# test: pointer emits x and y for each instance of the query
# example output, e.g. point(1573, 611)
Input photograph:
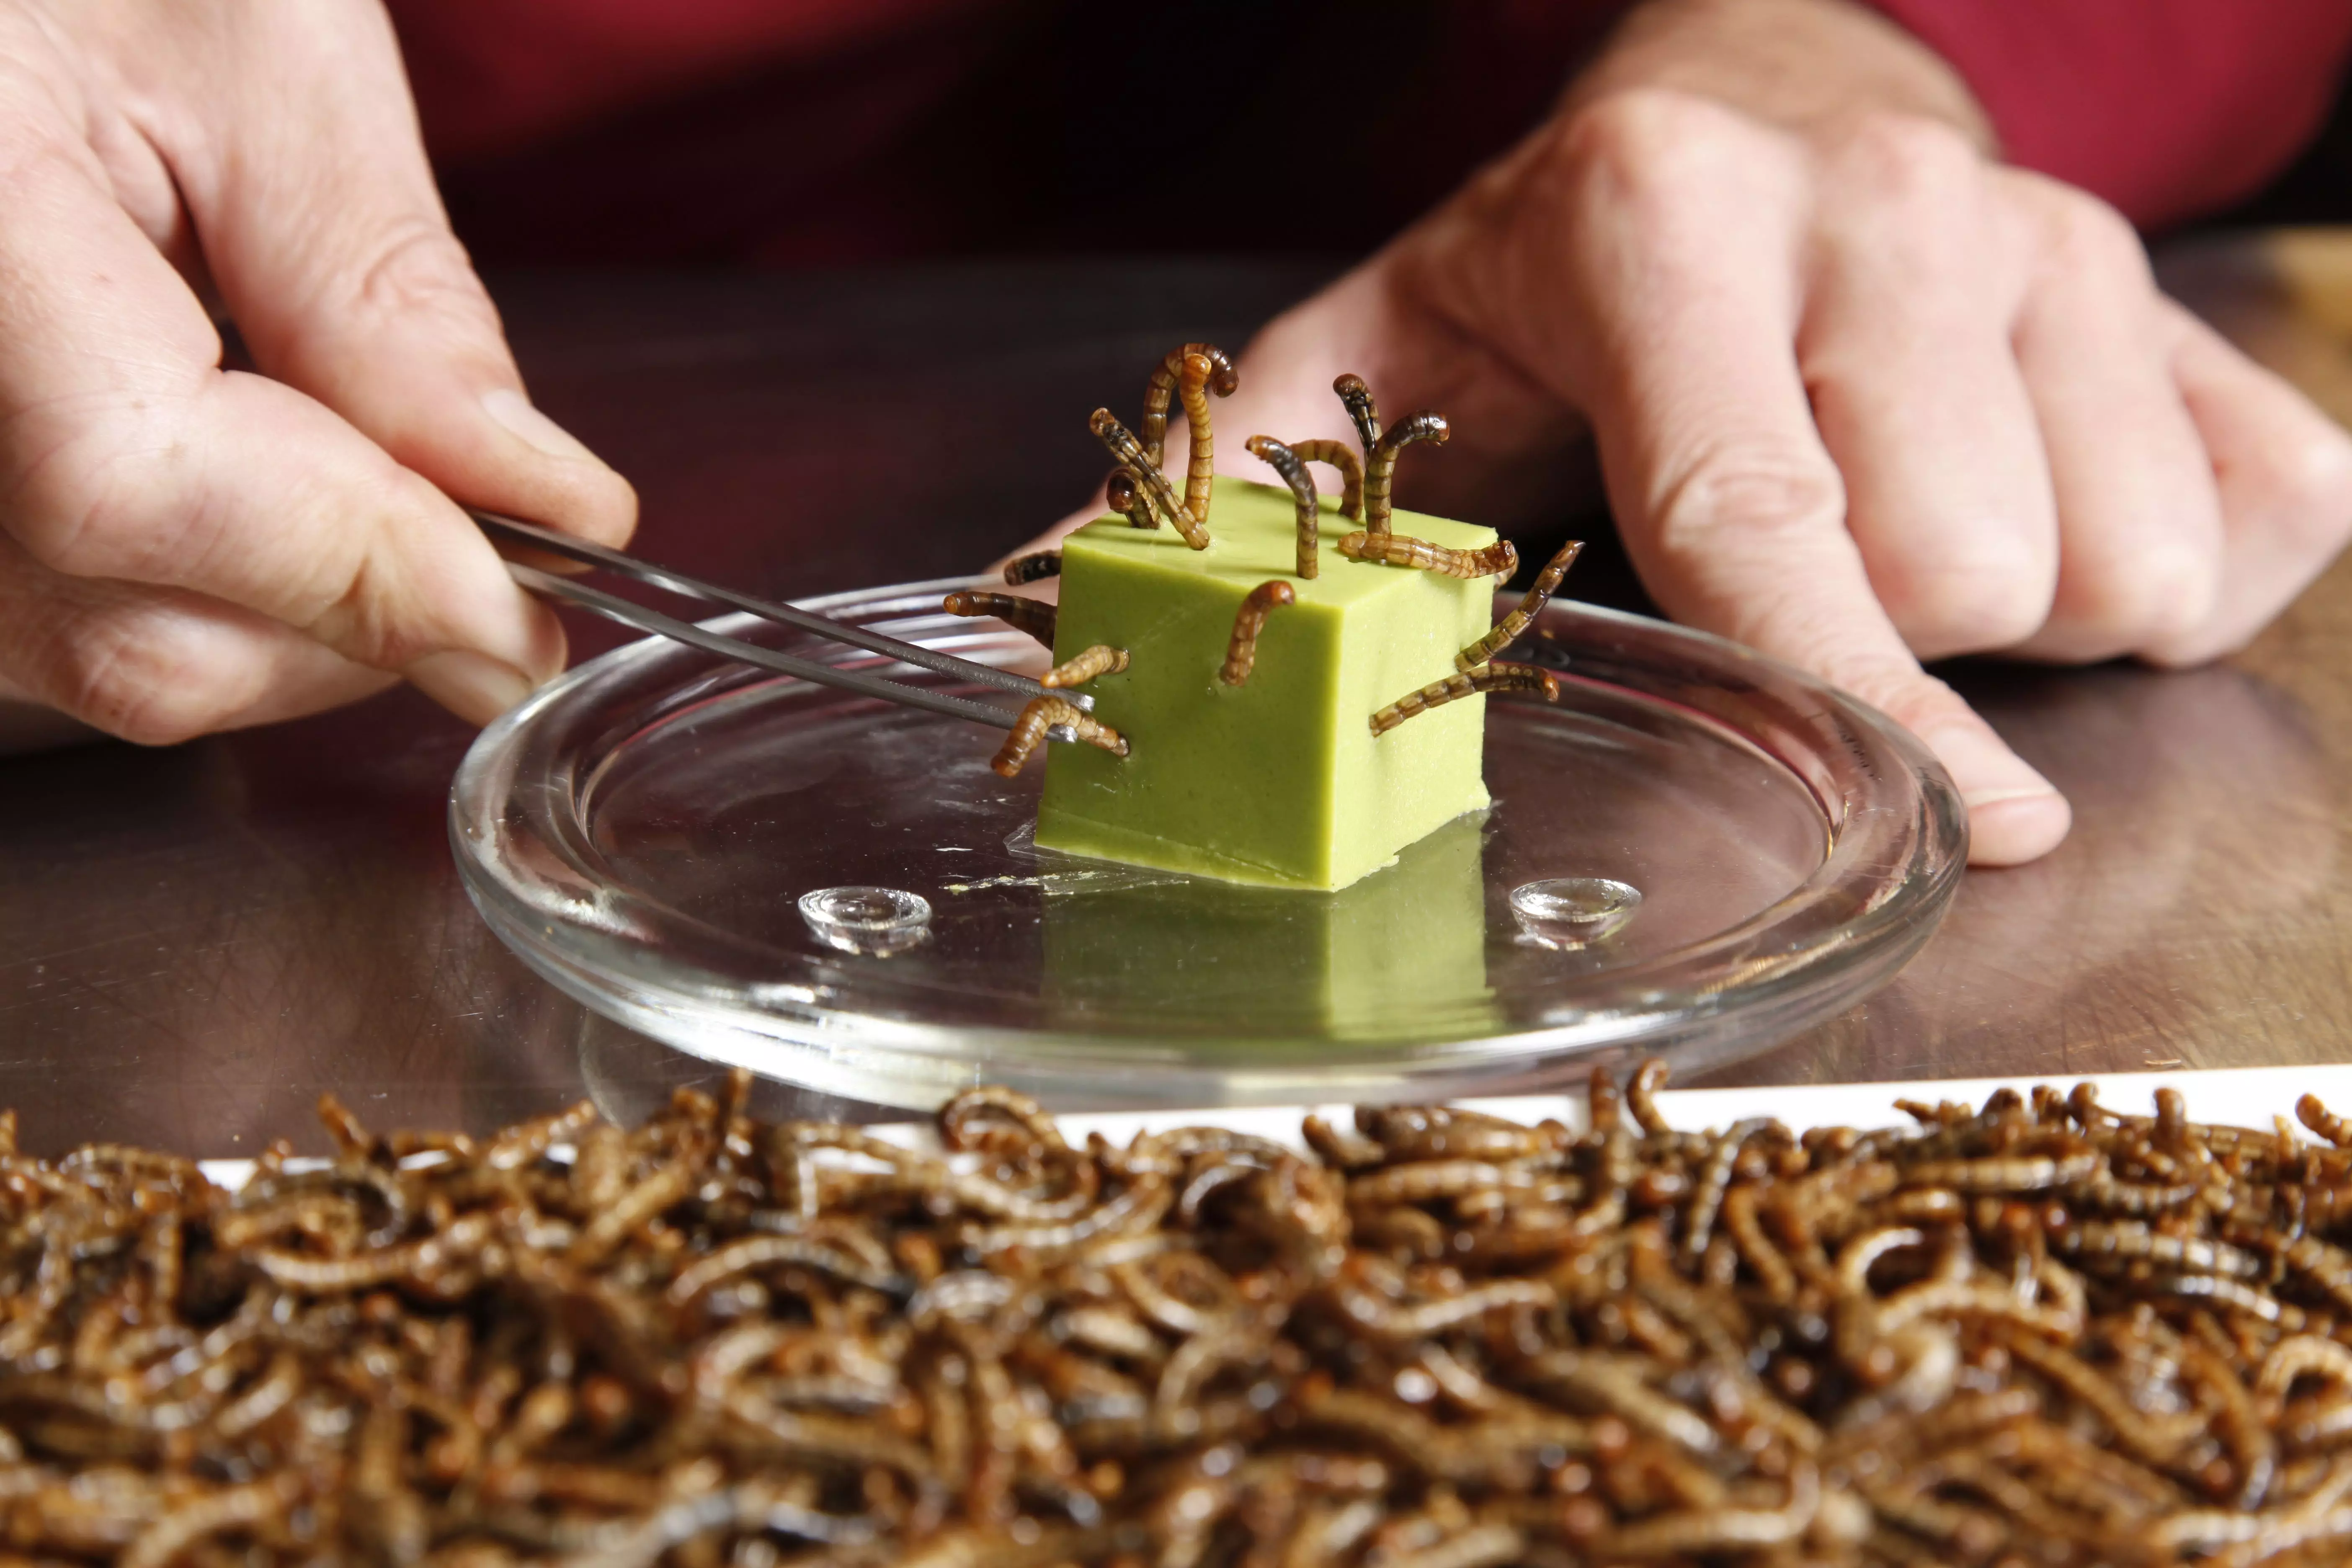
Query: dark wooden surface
point(194, 942)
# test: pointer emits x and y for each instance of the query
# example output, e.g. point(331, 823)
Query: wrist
point(1801, 65)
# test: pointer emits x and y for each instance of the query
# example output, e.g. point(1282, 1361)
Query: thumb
point(328, 241)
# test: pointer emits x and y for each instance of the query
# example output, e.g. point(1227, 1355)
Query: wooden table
point(194, 942)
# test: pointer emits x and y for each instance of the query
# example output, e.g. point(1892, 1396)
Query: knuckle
point(2083, 236)
point(376, 604)
point(1655, 149)
point(1906, 159)
point(83, 503)
point(2167, 592)
point(152, 679)
point(1748, 497)
point(1988, 595)
point(2315, 493)
point(415, 268)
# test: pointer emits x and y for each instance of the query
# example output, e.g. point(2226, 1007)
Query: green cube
point(1278, 780)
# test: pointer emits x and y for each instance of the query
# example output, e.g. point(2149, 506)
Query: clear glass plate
point(1697, 852)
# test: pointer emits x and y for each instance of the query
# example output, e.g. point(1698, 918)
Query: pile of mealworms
point(2039, 1333)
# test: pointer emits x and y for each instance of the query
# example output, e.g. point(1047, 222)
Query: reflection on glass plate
point(1697, 852)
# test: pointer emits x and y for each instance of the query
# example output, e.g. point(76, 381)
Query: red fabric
point(2166, 107)
point(837, 131)
point(493, 74)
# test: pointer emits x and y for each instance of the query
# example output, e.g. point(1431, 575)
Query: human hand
point(1861, 395)
point(184, 548)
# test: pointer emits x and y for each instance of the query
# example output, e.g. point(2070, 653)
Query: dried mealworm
point(1121, 494)
point(2336, 1128)
point(1499, 558)
point(1033, 567)
point(1379, 464)
point(1465, 683)
point(1241, 648)
point(1192, 383)
point(1507, 630)
point(1724, 1530)
point(1641, 1098)
point(1096, 660)
point(1166, 378)
point(1357, 398)
point(1031, 616)
point(1284, 462)
point(1155, 490)
point(1044, 713)
point(1342, 457)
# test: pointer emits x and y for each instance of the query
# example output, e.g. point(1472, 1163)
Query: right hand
point(184, 548)
point(1861, 395)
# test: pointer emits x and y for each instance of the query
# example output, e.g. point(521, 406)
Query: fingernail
point(1987, 772)
point(513, 410)
point(2014, 814)
point(474, 687)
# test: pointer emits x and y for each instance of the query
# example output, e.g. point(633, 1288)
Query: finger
point(130, 457)
point(2284, 473)
point(1906, 353)
point(1385, 322)
point(158, 666)
point(2139, 520)
point(1731, 507)
point(329, 242)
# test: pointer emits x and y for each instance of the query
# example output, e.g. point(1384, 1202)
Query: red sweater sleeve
point(2166, 107)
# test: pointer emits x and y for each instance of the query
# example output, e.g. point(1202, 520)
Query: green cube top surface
point(1280, 780)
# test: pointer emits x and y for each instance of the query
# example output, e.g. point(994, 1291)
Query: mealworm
point(1390, 1321)
point(1120, 442)
point(1199, 458)
point(1120, 493)
point(1437, 1132)
point(1715, 1177)
point(1096, 660)
point(1641, 1089)
point(1604, 1104)
point(2336, 1128)
point(2132, 1240)
point(1465, 683)
point(1341, 455)
point(1506, 630)
point(2253, 1452)
point(1358, 399)
point(2005, 1174)
point(1499, 558)
point(1033, 567)
point(1043, 713)
point(1380, 467)
point(1284, 462)
point(1033, 616)
point(1241, 648)
point(1706, 1533)
point(1167, 377)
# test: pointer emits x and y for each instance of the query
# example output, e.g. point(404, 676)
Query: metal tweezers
point(506, 531)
